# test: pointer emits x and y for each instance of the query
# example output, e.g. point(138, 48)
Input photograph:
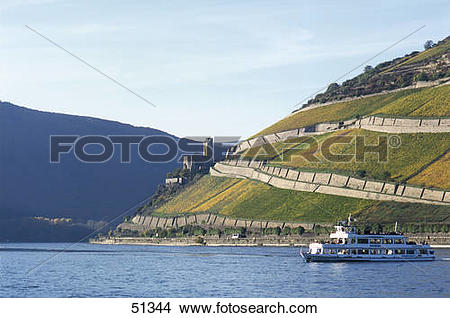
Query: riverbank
point(205, 241)
point(435, 240)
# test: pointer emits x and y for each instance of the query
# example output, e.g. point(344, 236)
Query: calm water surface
point(86, 270)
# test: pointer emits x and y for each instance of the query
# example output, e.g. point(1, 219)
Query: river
point(85, 270)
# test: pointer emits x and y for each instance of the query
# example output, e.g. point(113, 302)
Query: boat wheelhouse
point(346, 245)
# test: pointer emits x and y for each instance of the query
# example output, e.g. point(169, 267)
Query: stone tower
point(208, 147)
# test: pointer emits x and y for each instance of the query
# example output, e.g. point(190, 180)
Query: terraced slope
point(415, 151)
point(250, 199)
point(438, 50)
point(423, 102)
point(429, 102)
point(421, 159)
point(241, 198)
point(435, 175)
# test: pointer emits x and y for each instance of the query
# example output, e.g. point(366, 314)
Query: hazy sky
point(211, 67)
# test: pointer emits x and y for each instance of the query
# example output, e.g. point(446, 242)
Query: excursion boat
point(346, 246)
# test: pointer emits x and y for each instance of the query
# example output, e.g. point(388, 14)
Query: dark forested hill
point(31, 186)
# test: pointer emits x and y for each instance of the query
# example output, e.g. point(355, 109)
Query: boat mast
point(395, 228)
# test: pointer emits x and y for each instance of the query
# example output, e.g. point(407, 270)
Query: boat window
point(363, 252)
point(375, 252)
point(375, 241)
point(387, 241)
point(410, 252)
point(423, 251)
point(397, 252)
point(389, 252)
point(363, 241)
point(354, 252)
point(344, 251)
point(398, 241)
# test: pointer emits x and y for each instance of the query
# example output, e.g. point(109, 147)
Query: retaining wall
point(373, 123)
point(404, 125)
point(142, 223)
point(331, 183)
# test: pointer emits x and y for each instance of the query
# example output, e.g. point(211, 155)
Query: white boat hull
point(334, 258)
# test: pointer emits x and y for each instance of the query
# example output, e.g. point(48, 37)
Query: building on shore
point(175, 180)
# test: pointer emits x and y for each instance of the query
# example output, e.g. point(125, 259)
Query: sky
point(212, 68)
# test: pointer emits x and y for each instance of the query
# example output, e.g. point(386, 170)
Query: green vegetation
point(421, 159)
point(411, 228)
point(165, 192)
point(203, 231)
point(420, 103)
point(390, 212)
point(192, 197)
point(423, 102)
point(400, 72)
point(436, 175)
point(249, 199)
point(435, 51)
point(255, 200)
point(402, 162)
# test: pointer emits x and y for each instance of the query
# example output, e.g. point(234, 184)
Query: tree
point(299, 230)
point(368, 68)
point(286, 230)
point(420, 77)
point(332, 87)
point(428, 44)
point(361, 173)
point(278, 230)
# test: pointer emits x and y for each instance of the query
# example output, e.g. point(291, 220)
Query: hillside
point(402, 162)
point(31, 186)
point(249, 199)
point(271, 176)
point(413, 103)
point(428, 65)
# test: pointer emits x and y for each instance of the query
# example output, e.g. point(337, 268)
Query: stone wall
point(380, 124)
point(404, 125)
point(289, 134)
point(208, 220)
point(331, 183)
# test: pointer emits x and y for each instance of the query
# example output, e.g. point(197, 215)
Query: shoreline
point(192, 242)
point(244, 242)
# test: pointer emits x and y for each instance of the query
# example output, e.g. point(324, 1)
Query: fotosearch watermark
point(164, 148)
point(316, 149)
point(154, 148)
